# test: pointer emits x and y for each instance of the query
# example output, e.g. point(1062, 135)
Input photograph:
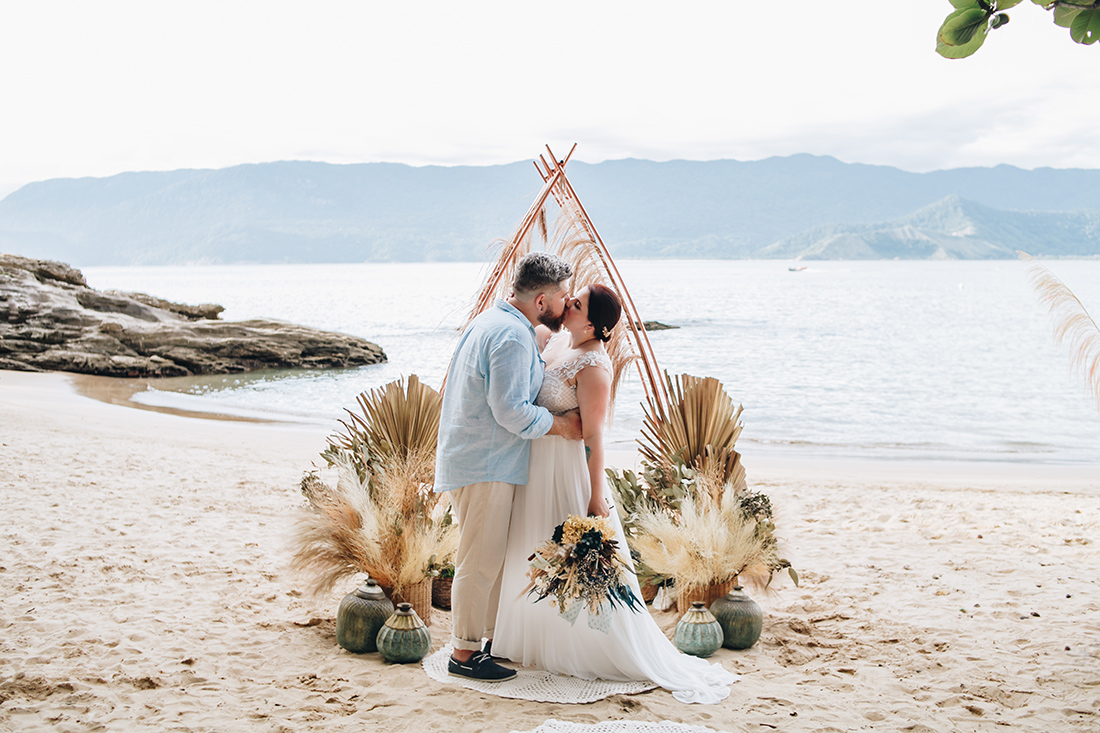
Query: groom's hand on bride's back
point(567, 426)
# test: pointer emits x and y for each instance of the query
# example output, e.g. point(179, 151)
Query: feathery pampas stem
point(709, 544)
point(1072, 323)
point(388, 533)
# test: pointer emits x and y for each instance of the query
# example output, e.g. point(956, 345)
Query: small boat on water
point(800, 268)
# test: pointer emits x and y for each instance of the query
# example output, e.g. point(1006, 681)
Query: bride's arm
point(594, 396)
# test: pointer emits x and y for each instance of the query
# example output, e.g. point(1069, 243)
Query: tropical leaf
point(1085, 28)
point(1064, 16)
point(1006, 4)
point(1073, 325)
point(948, 38)
point(961, 26)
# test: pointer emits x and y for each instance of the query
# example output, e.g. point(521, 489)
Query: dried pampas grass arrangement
point(381, 517)
point(718, 535)
point(393, 531)
point(689, 516)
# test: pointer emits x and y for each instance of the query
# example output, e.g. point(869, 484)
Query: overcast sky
point(97, 88)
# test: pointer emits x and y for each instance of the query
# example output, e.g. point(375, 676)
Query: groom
point(485, 425)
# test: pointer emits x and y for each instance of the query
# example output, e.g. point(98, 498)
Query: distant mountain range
point(950, 229)
point(798, 206)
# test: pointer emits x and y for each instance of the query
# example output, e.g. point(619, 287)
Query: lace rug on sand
point(618, 726)
point(536, 685)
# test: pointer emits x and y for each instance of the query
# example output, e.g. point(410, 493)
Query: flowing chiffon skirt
point(535, 635)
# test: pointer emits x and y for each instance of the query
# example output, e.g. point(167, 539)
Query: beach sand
point(144, 586)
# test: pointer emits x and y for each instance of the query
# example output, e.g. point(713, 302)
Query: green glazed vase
point(404, 638)
point(740, 617)
point(698, 633)
point(362, 613)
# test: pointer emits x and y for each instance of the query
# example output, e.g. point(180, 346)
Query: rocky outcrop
point(51, 320)
point(657, 326)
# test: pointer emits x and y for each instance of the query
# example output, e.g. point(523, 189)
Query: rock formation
point(51, 320)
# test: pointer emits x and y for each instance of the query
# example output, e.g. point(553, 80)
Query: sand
point(143, 586)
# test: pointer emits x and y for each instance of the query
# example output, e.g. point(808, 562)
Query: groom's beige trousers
point(483, 511)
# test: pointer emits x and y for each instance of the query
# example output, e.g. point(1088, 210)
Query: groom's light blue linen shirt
point(489, 415)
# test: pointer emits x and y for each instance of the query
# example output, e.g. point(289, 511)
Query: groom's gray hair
point(538, 272)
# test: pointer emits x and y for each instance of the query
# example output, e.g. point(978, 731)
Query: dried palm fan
point(393, 422)
point(1072, 323)
point(381, 517)
point(699, 428)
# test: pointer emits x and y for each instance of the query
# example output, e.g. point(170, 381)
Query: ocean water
point(923, 360)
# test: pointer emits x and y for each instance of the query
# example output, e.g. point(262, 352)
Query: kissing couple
point(528, 390)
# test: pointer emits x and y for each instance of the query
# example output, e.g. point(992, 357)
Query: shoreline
point(770, 464)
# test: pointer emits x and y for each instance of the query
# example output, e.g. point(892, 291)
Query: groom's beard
point(552, 322)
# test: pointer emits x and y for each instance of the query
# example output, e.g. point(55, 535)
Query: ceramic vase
point(404, 638)
point(362, 613)
point(740, 618)
point(698, 633)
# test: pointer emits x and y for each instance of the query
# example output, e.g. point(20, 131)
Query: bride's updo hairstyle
point(604, 310)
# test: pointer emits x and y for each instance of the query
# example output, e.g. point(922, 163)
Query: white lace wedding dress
point(534, 634)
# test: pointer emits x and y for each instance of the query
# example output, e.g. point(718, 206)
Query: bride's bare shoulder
point(542, 335)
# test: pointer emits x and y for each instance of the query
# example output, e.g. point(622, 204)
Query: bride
point(563, 482)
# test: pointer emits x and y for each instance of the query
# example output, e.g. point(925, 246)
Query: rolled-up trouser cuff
point(473, 646)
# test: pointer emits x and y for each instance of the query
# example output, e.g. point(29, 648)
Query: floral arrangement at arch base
point(381, 516)
point(690, 516)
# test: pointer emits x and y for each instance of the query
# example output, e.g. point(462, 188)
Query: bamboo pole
point(650, 373)
point(493, 281)
point(556, 183)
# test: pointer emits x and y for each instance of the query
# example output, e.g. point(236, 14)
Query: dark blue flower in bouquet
point(590, 541)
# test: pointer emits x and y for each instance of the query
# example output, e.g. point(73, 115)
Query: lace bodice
point(559, 386)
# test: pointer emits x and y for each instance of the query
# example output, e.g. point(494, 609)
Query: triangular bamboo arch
point(556, 184)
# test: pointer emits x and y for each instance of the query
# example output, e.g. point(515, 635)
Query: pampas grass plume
point(387, 533)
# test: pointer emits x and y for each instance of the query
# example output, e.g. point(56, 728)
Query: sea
point(922, 360)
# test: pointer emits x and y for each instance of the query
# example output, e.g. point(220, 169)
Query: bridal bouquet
point(580, 567)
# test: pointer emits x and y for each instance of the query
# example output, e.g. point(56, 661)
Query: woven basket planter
point(419, 596)
point(708, 594)
point(649, 592)
point(441, 593)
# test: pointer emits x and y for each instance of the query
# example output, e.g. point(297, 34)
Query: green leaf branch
point(965, 29)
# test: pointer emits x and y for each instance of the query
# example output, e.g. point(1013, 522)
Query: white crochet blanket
point(537, 685)
point(618, 726)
